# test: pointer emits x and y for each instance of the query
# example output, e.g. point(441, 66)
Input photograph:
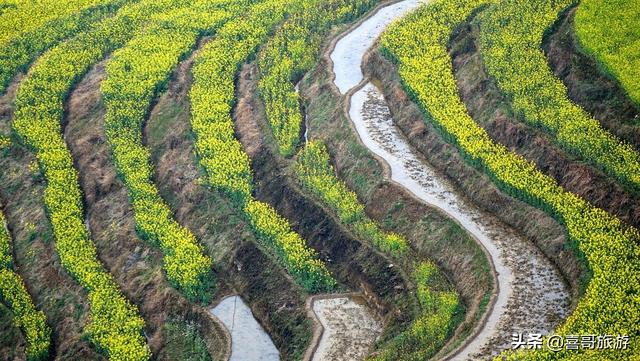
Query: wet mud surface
point(350, 329)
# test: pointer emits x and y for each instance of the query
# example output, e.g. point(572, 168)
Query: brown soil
point(52, 289)
point(275, 300)
point(354, 264)
point(493, 112)
point(135, 264)
point(534, 224)
point(12, 343)
point(589, 86)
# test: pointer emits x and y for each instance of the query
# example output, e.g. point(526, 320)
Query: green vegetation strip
point(30, 27)
point(610, 31)
point(511, 37)
point(135, 74)
point(294, 50)
point(5, 142)
point(227, 165)
point(115, 325)
point(184, 342)
point(610, 305)
point(426, 335)
point(14, 293)
point(315, 172)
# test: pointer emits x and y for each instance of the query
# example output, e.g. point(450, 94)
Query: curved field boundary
point(289, 54)
point(135, 74)
point(220, 153)
point(609, 30)
point(418, 44)
point(14, 293)
point(22, 28)
point(315, 172)
point(115, 325)
point(511, 34)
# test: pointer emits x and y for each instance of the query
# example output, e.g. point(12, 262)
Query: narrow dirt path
point(531, 296)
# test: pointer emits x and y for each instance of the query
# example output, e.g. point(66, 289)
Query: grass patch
point(184, 342)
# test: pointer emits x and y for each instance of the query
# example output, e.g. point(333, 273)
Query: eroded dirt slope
point(493, 112)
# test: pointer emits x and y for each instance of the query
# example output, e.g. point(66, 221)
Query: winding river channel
point(532, 297)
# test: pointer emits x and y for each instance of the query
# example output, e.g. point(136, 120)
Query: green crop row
point(30, 27)
point(291, 52)
point(610, 31)
point(114, 324)
point(314, 171)
point(418, 45)
point(14, 293)
point(426, 335)
point(221, 155)
point(511, 37)
point(301, 261)
point(26, 316)
point(135, 74)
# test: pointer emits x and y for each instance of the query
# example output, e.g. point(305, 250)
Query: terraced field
point(319, 180)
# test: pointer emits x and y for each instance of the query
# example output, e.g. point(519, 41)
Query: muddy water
point(532, 297)
point(350, 329)
point(249, 341)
